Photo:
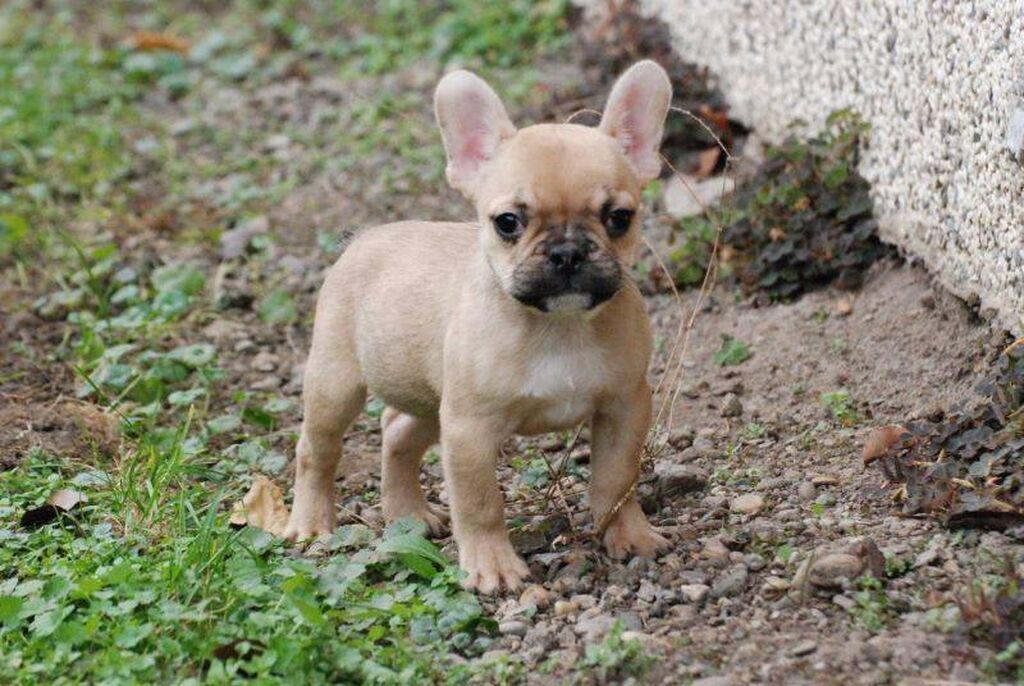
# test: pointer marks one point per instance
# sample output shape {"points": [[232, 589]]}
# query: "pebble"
{"points": [[566, 607], [584, 600], [833, 570], [807, 490], [681, 438], [264, 362], [594, 627], [695, 593], [675, 480], [730, 583], [803, 648], [748, 503], [775, 585], [731, 406], [714, 549], [513, 627], [535, 595]]}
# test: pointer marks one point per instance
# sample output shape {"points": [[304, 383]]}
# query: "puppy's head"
{"points": [[558, 202]]}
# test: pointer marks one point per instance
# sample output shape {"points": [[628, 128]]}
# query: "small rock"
{"points": [[564, 608], [844, 308], [754, 562], [513, 627], [844, 601], [695, 593], [681, 438], [264, 362], [834, 570], [714, 549], [584, 600], [803, 648], [675, 480], [731, 406], [748, 503], [594, 627], [774, 586], [824, 480], [731, 582], [535, 595], [806, 490]]}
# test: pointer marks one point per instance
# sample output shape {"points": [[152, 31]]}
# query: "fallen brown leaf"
{"points": [[153, 41], [65, 499], [880, 441], [262, 507]]}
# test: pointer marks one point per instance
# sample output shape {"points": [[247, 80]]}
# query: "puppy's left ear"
{"points": [[635, 115], [473, 123]]}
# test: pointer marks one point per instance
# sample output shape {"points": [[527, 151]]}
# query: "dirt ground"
{"points": [[760, 482]]}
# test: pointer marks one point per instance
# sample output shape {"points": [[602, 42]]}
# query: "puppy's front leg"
{"points": [[469, 452], [618, 431]]}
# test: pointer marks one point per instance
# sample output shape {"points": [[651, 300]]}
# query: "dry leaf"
{"points": [[881, 440], [776, 234], [65, 499], [152, 41], [262, 507], [708, 161], [844, 307]]}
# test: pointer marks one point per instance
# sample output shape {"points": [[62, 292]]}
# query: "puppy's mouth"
{"points": [[579, 293]]}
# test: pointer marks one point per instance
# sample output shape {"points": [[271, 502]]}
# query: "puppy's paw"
{"points": [[307, 523], [434, 516], [491, 564], [633, 535]]}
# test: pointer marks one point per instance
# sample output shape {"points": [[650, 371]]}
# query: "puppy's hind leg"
{"points": [[333, 394], [405, 439]]}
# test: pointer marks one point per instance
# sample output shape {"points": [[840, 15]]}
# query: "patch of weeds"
{"points": [[993, 614], [755, 431], [66, 109], [966, 464], [804, 220], [896, 567], [841, 407], [395, 34], [186, 595], [733, 352], [614, 660], [872, 610]]}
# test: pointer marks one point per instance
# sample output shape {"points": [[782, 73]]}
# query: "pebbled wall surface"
{"points": [[940, 81]]}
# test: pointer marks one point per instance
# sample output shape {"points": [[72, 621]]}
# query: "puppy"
{"points": [[522, 322]]}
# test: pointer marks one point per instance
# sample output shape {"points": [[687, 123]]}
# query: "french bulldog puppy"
{"points": [[522, 322]]}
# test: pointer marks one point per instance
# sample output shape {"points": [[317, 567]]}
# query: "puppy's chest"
{"points": [[560, 386]]}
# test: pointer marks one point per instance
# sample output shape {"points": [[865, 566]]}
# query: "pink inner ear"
{"points": [[631, 131]]}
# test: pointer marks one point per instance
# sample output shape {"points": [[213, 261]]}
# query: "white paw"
{"points": [[307, 523], [491, 564], [631, 534]]}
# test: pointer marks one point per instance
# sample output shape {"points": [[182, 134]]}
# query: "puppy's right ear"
{"points": [[473, 122]]}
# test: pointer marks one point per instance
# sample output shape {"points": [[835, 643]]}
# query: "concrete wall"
{"points": [[942, 84]]}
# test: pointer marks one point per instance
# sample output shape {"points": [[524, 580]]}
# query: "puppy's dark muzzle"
{"points": [[566, 268]]}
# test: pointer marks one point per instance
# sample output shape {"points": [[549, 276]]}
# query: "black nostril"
{"points": [[566, 256]]}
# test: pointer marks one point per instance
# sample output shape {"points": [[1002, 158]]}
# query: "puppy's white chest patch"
{"points": [[562, 380]]}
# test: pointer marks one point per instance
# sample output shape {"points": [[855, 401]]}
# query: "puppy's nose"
{"points": [[567, 257]]}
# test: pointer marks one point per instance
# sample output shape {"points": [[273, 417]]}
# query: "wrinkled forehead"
{"points": [[561, 169]]}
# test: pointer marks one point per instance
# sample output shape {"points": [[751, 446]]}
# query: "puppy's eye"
{"points": [[508, 226], [617, 222]]}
